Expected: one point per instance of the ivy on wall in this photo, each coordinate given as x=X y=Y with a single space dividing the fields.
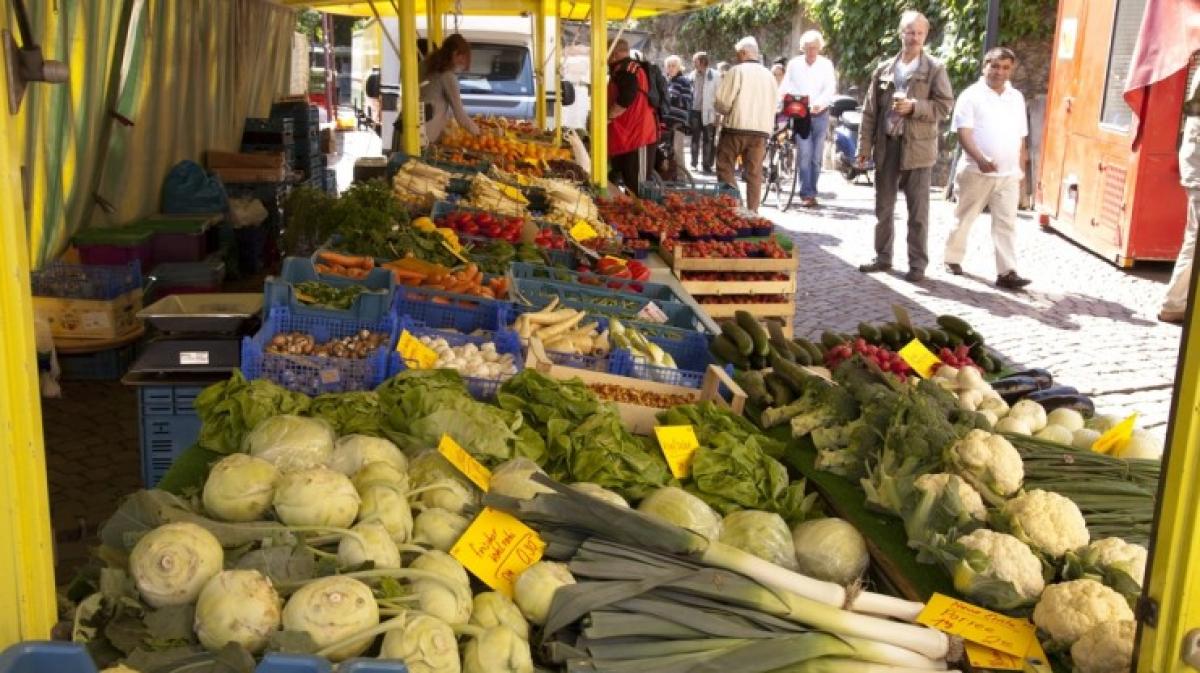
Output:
x=859 y=34
x=717 y=28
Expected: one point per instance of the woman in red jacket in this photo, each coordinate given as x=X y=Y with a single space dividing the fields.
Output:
x=632 y=124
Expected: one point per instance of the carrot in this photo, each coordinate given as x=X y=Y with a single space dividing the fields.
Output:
x=352 y=261
x=440 y=300
x=487 y=292
x=407 y=277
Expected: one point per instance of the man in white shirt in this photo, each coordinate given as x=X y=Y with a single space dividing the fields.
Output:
x=703 y=118
x=1174 y=306
x=812 y=75
x=746 y=97
x=991 y=124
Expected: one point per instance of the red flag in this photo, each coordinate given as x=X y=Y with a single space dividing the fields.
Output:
x=1170 y=33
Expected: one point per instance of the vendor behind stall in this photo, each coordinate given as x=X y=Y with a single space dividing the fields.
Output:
x=439 y=87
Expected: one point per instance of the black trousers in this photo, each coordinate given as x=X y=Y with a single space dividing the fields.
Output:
x=703 y=137
x=633 y=167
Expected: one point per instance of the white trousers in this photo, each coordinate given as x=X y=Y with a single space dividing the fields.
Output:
x=1001 y=195
x=1181 y=278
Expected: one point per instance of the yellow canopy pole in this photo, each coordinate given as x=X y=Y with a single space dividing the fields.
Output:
x=433 y=9
x=559 y=59
x=539 y=63
x=27 y=607
x=410 y=103
x=599 y=117
x=1174 y=578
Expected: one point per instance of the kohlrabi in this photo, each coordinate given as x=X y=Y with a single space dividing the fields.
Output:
x=172 y=563
x=330 y=609
x=240 y=488
x=317 y=496
x=237 y=606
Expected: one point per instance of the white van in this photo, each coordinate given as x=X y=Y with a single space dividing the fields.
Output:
x=499 y=82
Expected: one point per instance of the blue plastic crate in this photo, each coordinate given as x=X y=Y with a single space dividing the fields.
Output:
x=655 y=291
x=106 y=365
x=506 y=342
x=302 y=663
x=446 y=310
x=691 y=356
x=267 y=125
x=657 y=192
x=603 y=302
x=251 y=247
x=82 y=281
x=315 y=375
x=46 y=657
x=370 y=306
x=169 y=426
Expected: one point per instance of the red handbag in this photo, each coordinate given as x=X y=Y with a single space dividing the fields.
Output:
x=795 y=107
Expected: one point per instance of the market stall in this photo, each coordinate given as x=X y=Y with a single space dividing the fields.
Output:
x=485 y=416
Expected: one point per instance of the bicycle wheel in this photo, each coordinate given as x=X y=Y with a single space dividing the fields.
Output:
x=771 y=175
x=795 y=190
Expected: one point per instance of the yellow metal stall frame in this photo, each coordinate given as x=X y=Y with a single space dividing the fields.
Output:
x=27 y=606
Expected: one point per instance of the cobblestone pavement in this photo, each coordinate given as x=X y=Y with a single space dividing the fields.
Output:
x=1091 y=324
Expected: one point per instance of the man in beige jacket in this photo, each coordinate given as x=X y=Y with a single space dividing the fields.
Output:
x=908 y=97
x=747 y=96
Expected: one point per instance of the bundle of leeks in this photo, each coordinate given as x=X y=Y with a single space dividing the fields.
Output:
x=652 y=597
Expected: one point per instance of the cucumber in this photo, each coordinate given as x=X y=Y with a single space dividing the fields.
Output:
x=938 y=338
x=960 y=327
x=921 y=334
x=814 y=352
x=829 y=339
x=779 y=389
x=891 y=336
x=739 y=337
x=726 y=351
x=953 y=340
x=869 y=332
x=775 y=330
x=755 y=330
x=761 y=361
x=986 y=363
x=905 y=334
x=791 y=372
x=783 y=350
x=753 y=385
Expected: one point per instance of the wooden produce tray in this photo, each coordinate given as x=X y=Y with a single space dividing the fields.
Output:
x=783 y=311
x=638 y=418
x=723 y=287
x=680 y=263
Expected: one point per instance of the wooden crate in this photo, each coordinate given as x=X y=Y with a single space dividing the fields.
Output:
x=784 y=312
x=788 y=266
x=641 y=419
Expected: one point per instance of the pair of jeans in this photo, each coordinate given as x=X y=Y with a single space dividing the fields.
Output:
x=810 y=152
x=703 y=140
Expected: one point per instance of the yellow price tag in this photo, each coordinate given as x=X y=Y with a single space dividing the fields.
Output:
x=977 y=625
x=513 y=194
x=583 y=231
x=416 y=354
x=614 y=260
x=497 y=548
x=1116 y=437
x=464 y=462
x=920 y=358
x=982 y=657
x=679 y=445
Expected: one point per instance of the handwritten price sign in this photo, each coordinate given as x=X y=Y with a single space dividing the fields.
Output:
x=977 y=625
x=497 y=548
x=920 y=358
x=416 y=354
x=679 y=446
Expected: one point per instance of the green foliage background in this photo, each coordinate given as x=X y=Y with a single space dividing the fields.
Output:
x=717 y=28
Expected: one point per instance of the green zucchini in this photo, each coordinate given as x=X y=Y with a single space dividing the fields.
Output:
x=779 y=389
x=783 y=350
x=739 y=337
x=830 y=340
x=749 y=323
x=726 y=351
x=937 y=338
x=814 y=351
x=869 y=332
x=791 y=372
x=755 y=387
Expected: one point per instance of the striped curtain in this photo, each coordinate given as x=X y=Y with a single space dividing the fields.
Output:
x=190 y=72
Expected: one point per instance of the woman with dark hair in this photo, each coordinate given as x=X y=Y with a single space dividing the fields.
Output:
x=439 y=87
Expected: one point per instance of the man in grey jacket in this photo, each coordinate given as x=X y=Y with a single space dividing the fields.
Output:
x=908 y=97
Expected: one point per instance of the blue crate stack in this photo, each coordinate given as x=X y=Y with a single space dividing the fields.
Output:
x=306 y=141
x=169 y=426
x=62 y=657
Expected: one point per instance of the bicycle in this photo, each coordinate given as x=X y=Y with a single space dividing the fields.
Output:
x=779 y=167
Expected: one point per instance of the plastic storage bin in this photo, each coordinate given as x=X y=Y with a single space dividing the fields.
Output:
x=169 y=426
x=185 y=278
x=447 y=310
x=657 y=192
x=370 y=306
x=179 y=238
x=314 y=375
x=114 y=246
x=655 y=291
x=481 y=388
x=301 y=663
x=106 y=365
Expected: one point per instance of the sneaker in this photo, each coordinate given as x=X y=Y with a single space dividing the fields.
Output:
x=914 y=276
x=1011 y=281
x=955 y=269
x=875 y=267
x=1173 y=317
x=809 y=202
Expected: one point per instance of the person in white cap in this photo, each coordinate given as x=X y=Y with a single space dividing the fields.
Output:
x=747 y=97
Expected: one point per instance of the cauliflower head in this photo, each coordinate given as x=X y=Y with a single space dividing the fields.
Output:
x=988 y=462
x=1047 y=521
x=1068 y=610
x=1010 y=562
x=1113 y=552
x=1105 y=648
x=968 y=497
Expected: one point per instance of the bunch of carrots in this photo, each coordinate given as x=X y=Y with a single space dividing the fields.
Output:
x=467 y=280
x=347 y=266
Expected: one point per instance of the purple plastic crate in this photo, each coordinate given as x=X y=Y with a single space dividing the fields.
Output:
x=314 y=375
x=179 y=238
x=114 y=247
